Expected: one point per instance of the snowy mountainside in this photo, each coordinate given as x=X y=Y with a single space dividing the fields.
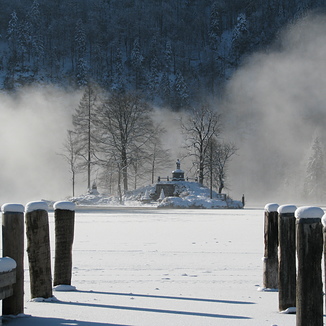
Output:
x=187 y=195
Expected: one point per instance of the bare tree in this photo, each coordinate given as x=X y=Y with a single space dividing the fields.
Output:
x=220 y=154
x=150 y=159
x=72 y=150
x=200 y=127
x=83 y=121
x=160 y=158
x=124 y=128
x=314 y=185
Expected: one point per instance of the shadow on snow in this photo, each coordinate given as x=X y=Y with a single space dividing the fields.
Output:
x=166 y=297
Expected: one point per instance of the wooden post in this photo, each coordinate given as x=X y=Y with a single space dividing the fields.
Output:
x=38 y=249
x=323 y=220
x=270 y=276
x=309 y=279
x=13 y=247
x=64 y=216
x=287 y=258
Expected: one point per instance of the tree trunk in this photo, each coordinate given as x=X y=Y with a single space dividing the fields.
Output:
x=270 y=276
x=201 y=170
x=13 y=247
x=309 y=280
x=287 y=261
x=124 y=170
x=64 y=237
x=38 y=249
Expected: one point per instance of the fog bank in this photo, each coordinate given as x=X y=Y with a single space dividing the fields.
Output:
x=33 y=128
x=276 y=105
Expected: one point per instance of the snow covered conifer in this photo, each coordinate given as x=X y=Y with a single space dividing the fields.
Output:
x=214 y=26
x=316 y=172
x=118 y=83
x=153 y=80
x=181 y=91
x=13 y=31
x=80 y=39
x=239 y=38
x=168 y=56
x=137 y=62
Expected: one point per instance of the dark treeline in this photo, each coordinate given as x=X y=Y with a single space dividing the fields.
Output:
x=175 y=52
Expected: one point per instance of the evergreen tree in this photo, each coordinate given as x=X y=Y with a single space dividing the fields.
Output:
x=165 y=89
x=81 y=73
x=35 y=24
x=80 y=39
x=118 y=82
x=13 y=33
x=14 y=58
x=214 y=26
x=239 y=38
x=181 y=92
x=137 y=62
x=153 y=80
x=315 y=174
x=168 y=57
x=81 y=66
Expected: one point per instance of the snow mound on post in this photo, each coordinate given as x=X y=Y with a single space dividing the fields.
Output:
x=309 y=212
x=272 y=207
x=13 y=208
x=36 y=205
x=7 y=264
x=64 y=205
x=283 y=209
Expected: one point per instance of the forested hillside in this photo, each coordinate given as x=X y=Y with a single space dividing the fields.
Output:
x=173 y=51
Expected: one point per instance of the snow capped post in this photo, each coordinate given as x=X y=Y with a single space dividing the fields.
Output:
x=323 y=220
x=309 y=280
x=13 y=247
x=270 y=277
x=38 y=249
x=287 y=258
x=64 y=218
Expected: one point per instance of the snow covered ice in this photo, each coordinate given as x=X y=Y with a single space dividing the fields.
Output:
x=143 y=267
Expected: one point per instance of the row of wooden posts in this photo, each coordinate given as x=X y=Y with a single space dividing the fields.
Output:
x=38 y=249
x=294 y=241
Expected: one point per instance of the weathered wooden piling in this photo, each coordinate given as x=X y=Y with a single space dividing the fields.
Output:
x=13 y=247
x=287 y=258
x=38 y=249
x=270 y=260
x=309 y=301
x=64 y=217
x=323 y=220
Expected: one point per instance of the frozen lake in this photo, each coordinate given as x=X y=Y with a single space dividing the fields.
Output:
x=145 y=267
